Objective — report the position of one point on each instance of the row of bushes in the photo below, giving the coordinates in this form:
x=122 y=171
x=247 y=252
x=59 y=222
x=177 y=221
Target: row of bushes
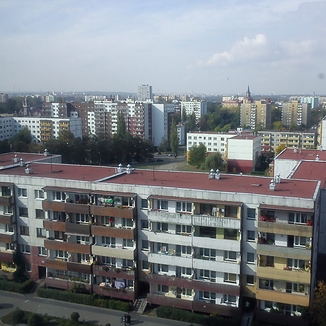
x=85 y=299
x=12 y=286
x=190 y=317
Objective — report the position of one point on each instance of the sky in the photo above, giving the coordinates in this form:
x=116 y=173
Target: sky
x=176 y=46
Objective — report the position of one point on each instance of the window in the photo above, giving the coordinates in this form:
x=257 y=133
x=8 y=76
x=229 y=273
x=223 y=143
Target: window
x=231 y=299
x=183 y=229
x=39 y=213
x=294 y=287
x=144 y=203
x=24 y=230
x=127 y=223
x=206 y=253
x=296 y=263
x=186 y=292
x=61 y=254
x=300 y=241
x=58 y=195
x=127 y=263
x=40 y=232
x=23 y=211
x=42 y=251
x=9 y=228
x=162 y=204
x=128 y=243
x=110 y=261
x=5 y=191
x=230 y=255
x=25 y=249
x=205 y=295
x=144 y=224
x=230 y=278
x=230 y=234
x=144 y=245
x=163 y=268
x=162 y=288
x=7 y=209
x=250 y=279
x=22 y=192
x=81 y=218
x=186 y=271
x=162 y=226
x=108 y=241
x=250 y=235
x=207 y=275
x=184 y=207
x=145 y=264
x=81 y=239
x=266 y=284
x=38 y=194
x=251 y=213
x=298 y=218
x=250 y=257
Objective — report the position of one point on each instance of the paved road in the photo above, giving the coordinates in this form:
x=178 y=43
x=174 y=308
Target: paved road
x=99 y=316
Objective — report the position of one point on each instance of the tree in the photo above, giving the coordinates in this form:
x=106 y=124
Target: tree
x=318 y=309
x=280 y=148
x=174 y=140
x=17 y=316
x=191 y=125
x=75 y=316
x=214 y=161
x=196 y=155
x=277 y=125
x=121 y=125
x=35 y=320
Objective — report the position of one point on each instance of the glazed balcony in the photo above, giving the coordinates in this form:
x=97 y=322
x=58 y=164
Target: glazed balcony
x=295 y=276
x=7 y=219
x=280 y=251
x=54 y=225
x=108 y=231
x=285 y=228
x=283 y=297
x=124 y=294
x=7 y=237
x=109 y=271
x=117 y=252
x=119 y=211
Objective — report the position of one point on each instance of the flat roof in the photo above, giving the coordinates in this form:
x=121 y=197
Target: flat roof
x=233 y=183
x=7 y=159
x=312 y=170
x=301 y=154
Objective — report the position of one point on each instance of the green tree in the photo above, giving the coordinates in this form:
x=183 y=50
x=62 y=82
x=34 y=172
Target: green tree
x=17 y=316
x=35 y=320
x=191 y=122
x=318 y=309
x=75 y=316
x=280 y=148
x=184 y=115
x=23 y=136
x=174 y=140
x=277 y=125
x=196 y=155
x=121 y=125
x=214 y=161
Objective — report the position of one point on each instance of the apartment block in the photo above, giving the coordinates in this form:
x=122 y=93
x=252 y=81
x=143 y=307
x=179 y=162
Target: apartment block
x=197 y=107
x=206 y=242
x=270 y=140
x=256 y=114
x=295 y=113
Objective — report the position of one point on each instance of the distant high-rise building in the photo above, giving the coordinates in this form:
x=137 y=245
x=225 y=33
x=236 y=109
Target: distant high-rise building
x=295 y=113
x=256 y=114
x=145 y=93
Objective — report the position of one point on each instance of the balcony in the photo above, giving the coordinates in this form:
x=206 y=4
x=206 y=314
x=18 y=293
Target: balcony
x=119 y=211
x=85 y=268
x=108 y=231
x=167 y=217
x=66 y=246
x=83 y=229
x=117 y=252
x=217 y=222
x=65 y=207
x=124 y=294
x=296 y=276
x=169 y=258
x=110 y=271
x=7 y=237
x=54 y=225
x=221 y=244
x=279 y=251
x=283 y=297
x=6 y=200
x=159 y=236
x=7 y=255
x=7 y=219
x=56 y=263
x=220 y=266
x=285 y=228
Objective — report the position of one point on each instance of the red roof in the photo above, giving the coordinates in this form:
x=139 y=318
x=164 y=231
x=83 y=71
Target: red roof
x=7 y=159
x=301 y=154
x=312 y=170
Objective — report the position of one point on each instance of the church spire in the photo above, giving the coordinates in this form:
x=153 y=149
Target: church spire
x=248 y=95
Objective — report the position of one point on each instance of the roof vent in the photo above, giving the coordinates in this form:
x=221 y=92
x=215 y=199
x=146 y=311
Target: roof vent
x=214 y=174
x=120 y=168
x=278 y=178
x=272 y=185
x=21 y=162
x=295 y=150
x=317 y=158
x=46 y=152
x=28 y=170
x=128 y=169
x=16 y=159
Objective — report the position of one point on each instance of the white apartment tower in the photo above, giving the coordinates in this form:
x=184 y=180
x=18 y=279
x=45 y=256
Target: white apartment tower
x=145 y=93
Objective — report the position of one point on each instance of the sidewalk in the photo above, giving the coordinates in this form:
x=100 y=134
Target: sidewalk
x=98 y=316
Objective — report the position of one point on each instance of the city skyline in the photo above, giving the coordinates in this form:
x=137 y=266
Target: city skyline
x=208 y=47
